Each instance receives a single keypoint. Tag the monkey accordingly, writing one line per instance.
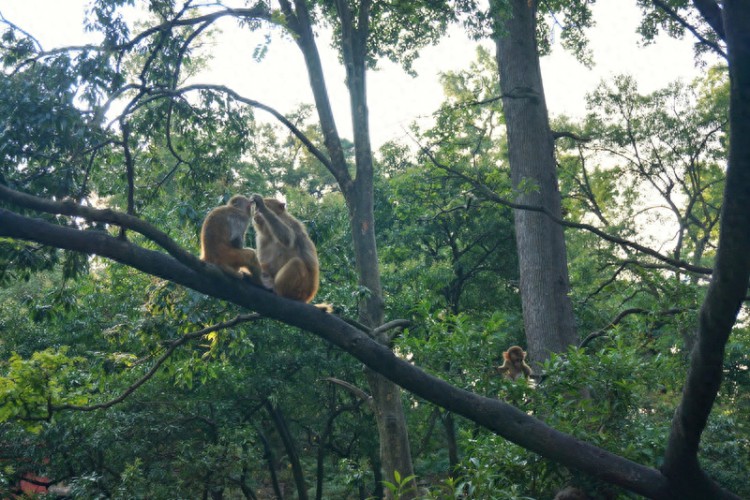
(514, 364)
(287, 256)
(223, 239)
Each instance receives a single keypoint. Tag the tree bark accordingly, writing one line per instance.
(729, 281)
(358, 193)
(547, 310)
(286, 437)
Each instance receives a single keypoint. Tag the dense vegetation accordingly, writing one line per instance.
(120, 383)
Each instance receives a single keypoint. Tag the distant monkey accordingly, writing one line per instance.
(514, 364)
(223, 239)
(287, 255)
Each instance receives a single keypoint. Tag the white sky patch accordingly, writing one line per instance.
(395, 99)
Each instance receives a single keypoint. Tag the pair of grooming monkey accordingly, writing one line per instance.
(284, 259)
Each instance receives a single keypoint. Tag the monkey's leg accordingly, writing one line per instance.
(231, 260)
(247, 261)
(295, 281)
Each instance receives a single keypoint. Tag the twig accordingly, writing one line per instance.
(243, 318)
(620, 317)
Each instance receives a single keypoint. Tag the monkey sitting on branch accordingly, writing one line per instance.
(223, 239)
(514, 364)
(287, 256)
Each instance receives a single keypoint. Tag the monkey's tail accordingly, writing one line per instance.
(325, 307)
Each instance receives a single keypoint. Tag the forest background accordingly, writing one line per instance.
(124, 376)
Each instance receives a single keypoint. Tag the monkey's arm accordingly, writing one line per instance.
(281, 231)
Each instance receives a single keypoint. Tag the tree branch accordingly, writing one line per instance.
(491, 195)
(356, 391)
(497, 416)
(729, 281)
(259, 11)
(682, 22)
(570, 135)
(256, 104)
(711, 12)
(243, 318)
(69, 207)
(305, 39)
(620, 317)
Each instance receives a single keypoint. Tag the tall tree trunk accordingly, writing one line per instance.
(395, 452)
(547, 310)
(729, 281)
(358, 193)
(271, 462)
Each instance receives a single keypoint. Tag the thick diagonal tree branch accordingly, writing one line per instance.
(71, 208)
(711, 12)
(495, 415)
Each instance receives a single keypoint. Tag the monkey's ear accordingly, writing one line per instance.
(506, 355)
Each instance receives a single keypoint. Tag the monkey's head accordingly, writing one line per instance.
(515, 355)
(272, 204)
(241, 202)
(276, 206)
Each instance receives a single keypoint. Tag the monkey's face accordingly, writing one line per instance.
(515, 356)
(275, 205)
(516, 360)
(241, 203)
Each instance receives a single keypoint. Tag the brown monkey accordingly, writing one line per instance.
(287, 255)
(223, 239)
(514, 363)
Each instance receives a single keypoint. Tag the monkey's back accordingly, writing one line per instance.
(218, 228)
(292, 271)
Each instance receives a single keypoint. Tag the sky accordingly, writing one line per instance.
(395, 99)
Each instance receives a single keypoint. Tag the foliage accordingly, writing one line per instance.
(81, 331)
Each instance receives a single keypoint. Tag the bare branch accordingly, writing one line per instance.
(256, 104)
(259, 11)
(244, 318)
(683, 22)
(396, 323)
(623, 315)
(570, 135)
(356, 391)
(491, 195)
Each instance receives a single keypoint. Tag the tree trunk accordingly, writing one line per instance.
(291, 451)
(729, 281)
(358, 193)
(395, 452)
(271, 462)
(449, 425)
(547, 310)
